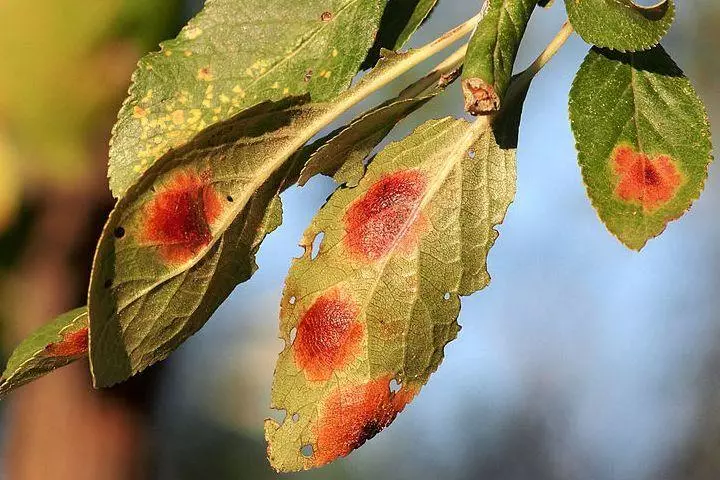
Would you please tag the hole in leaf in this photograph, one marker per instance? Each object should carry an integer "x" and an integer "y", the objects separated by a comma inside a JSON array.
[
  {"x": 293, "y": 334},
  {"x": 295, "y": 417},
  {"x": 447, "y": 296},
  {"x": 316, "y": 245},
  {"x": 230, "y": 198},
  {"x": 307, "y": 450},
  {"x": 471, "y": 153},
  {"x": 108, "y": 283},
  {"x": 119, "y": 232},
  {"x": 395, "y": 386},
  {"x": 292, "y": 300}
]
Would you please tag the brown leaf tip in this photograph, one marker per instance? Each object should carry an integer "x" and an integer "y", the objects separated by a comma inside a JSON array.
[
  {"x": 352, "y": 415},
  {"x": 386, "y": 216},
  {"x": 179, "y": 217},
  {"x": 480, "y": 97},
  {"x": 328, "y": 335},
  {"x": 651, "y": 182}
]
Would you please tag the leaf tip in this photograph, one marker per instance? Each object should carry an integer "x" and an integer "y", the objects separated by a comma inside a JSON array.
[{"x": 480, "y": 97}]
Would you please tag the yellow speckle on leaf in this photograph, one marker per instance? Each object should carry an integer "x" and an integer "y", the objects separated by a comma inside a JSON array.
[
  {"x": 237, "y": 89},
  {"x": 248, "y": 72},
  {"x": 224, "y": 98},
  {"x": 217, "y": 109},
  {"x": 167, "y": 53},
  {"x": 205, "y": 74},
  {"x": 137, "y": 169},
  {"x": 195, "y": 115},
  {"x": 193, "y": 33},
  {"x": 275, "y": 86},
  {"x": 207, "y": 103},
  {"x": 286, "y": 91},
  {"x": 147, "y": 97},
  {"x": 334, "y": 52},
  {"x": 178, "y": 117},
  {"x": 139, "y": 112},
  {"x": 188, "y": 53}
]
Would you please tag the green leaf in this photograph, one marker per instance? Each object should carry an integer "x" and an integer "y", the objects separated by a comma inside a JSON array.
[
  {"x": 186, "y": 233},
  {"x": 232, "y": 55},
  {"x": 343, "y": 153},
  {"x": 380, "y": 300},
  {"x": 643, "y": 140},
  {"x": 54, "y": 345},
  {"x": 491, "y": 54},
  {"x": 620, "y": 24}
]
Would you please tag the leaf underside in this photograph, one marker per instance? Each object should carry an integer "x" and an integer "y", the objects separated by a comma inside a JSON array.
[
  {"x": 643, "y": 140},
  {"x": 52, "y": 346},
  {"x": 381, "y": 299},
  {"x": 621, "y": 25},
  {"x": 232, "y": 55}
]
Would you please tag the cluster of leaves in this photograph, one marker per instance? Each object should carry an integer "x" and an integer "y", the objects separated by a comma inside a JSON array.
[{"x": 216, "y": 127}]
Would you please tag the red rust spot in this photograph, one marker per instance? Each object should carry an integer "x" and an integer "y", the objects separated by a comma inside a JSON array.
[
  {"x": 353, "y": 415},
  {"x": 326, "y": 16},
  {"x": 328, "y": 336},
  {"x": 73, "y": 344},
  {"x": 179, "y": 217},
  {"x": 650, "y": 182},
  {"x": 387, "y": 215}
]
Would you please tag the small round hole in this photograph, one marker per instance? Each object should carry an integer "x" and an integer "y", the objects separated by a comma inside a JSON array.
[
  {"x": 230, "y": 198},
  {"x": 307, "y": 450},
  {"x": 119, "y": 232},
  {"x": 293, "y": 334},
  {"x": 292, "y": 300},
  {"x": 295, "y": 417},
  {"x": 471, "y": 153},
  {"x": 395, "y": 386},
  {"x": 447, "y": 296}
]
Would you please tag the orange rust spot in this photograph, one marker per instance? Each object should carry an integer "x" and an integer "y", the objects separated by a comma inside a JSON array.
[
  {"x": 73, "y": 344},
  {"x": 205, "y": 74},
  {"x": 179, "y": 217},
  {"x": 328, "y": 336},
  {"x": 326, "y": 16},
  {"x": 386, "y": 216},
  {"x": 353, "y": 415},
  {"x": 650, "y": 182}
]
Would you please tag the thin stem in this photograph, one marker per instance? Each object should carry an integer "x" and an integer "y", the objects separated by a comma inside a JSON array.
[
  {"x": 552, "y": 48},
  {"x": 446, "y": 67},
  {"x": 373, "y": 81}
]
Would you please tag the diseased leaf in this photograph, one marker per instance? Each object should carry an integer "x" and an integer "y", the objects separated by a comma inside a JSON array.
[
  {"x": 643, "y": 140},
  {"x": 401, "y": 18},
  {"x": 491, "y": 54},
  {"x": 380, "y": 300},
  {"x": 342, "y": 154},
  {"x": 186, "y": 233},
  {"x": 622, "y": 25},
  {"x": 55, "y": 345},
  {"x": 232, "y": 55}
]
